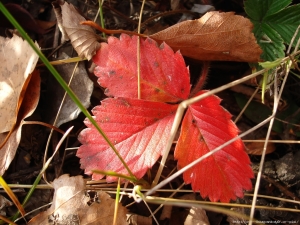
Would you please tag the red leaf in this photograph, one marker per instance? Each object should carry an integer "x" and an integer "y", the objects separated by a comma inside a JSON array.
[
  {"x": 225, "y": 174},
  {"x": 164, "y": 76},
  {"x": 139, "y": 130}
]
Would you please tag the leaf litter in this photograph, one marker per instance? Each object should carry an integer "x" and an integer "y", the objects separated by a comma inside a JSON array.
[
  {"x": 71, "y": 205},
  {"x": 83, "y": 38}
]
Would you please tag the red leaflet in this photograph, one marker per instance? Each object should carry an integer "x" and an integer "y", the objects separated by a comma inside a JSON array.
[
  {"x": 225, "y": 174},
  {"x": 139, "y": 130},
  {"x": 164, "y": 76}
]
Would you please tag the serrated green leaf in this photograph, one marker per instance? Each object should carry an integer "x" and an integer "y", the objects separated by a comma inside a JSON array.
[
  {"x": 274, "y": 25},
  {"x": 271, "y": 43},
  {"x": 285, "y": 22},
  {"x": 258, "y": 9}
]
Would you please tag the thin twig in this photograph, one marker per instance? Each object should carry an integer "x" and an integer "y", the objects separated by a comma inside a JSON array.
[
  {"x": 277, "y": 97},
  {"x": 138, "y": 54}
]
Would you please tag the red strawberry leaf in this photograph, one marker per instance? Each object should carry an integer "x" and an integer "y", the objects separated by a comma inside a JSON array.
[
  {"x": 139, "y": 130},
  {"x": 225, "y": 174},
  {"x": 164, "y": 76}
]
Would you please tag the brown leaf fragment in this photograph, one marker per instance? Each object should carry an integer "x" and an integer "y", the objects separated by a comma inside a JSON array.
[
  {"x": 196, "y": 215},
  {"x": 17, "y": 62},
  {"x": 72, "y": 205},
  {"x": 256, "y": 148},
  {"x": 83, "y": 38},
  {"x": 29, "y": 103},
  {"x": 57, "y": 12},
  {"x": 215, "y": 36}
]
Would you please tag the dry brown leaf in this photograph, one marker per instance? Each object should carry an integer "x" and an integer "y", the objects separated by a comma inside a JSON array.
[
  {"x": 215, "y": 36},
  {"x": 83, "y": 38},
  {"x": 82, "y": 86},
  {"x": 256, "y": 148},
  {"x": 18, "y": 60},
  {"x": 57, "y": 12},
  {"x": 29, "y": 103},
  {"x": 196, "y": 216},
  {"x": 71, "y": 204}
]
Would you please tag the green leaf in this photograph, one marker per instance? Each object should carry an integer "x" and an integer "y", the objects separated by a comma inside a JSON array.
[
  {"x": 271, "y": 44},
  {"x": 274, "y": 25},
  {"x": 285, "y": 22},
  {"x": 258, "y": 9}
]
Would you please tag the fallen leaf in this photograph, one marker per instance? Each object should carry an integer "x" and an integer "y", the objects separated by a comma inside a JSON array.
[
  {"x": 227, "y": 172},
  {"x": 30, "y": 102},
  {"x": 83, "y": 38},
  {"x": 197, "y": 216},
  {"x": 57, "y": 12},
  {"x": 81, "y": 85},
  {"x": 13, "y": 77},
  {"x": 71, "y": 205},
  {"x": 160, "y": 69},
  {"x": 256, "y": 148},
  {"x": 139, "y": 130},
  {"x": 215, "y": 36}
]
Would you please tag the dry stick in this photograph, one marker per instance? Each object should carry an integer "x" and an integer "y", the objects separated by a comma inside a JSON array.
[
  {"x": 138, "y": 53},
  {"x": 44, "y": 124},
  {"x": 276, "y": 97},
  {"x": 55, "y": 121},
  {"x": 275, "y": 141},
  {"x": 259, "y": 173},
  {"x": 292, "y": 40},
  {"x": 187, "y": 167},
  {"x": 180, "y": 110},
  {"x": 245, "y": 107}
]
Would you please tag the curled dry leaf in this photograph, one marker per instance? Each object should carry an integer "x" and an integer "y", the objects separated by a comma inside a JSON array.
[
  {"x": 83, "y": 38},
  {"x": 215, "y": 36},
  {"x": 73, "y": 205},
  {"x": 18, "y": 60},
  {"x": 29, "y": 103},
  {"x": 57, "y": 12}
]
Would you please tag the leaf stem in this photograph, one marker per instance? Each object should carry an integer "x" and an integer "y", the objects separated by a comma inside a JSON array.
[
  {"x": 107, "y": 31},
  {"x": 62, "y": 83}
]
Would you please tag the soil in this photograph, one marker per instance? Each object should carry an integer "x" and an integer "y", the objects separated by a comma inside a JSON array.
[{"x": 281, "y": 173}]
